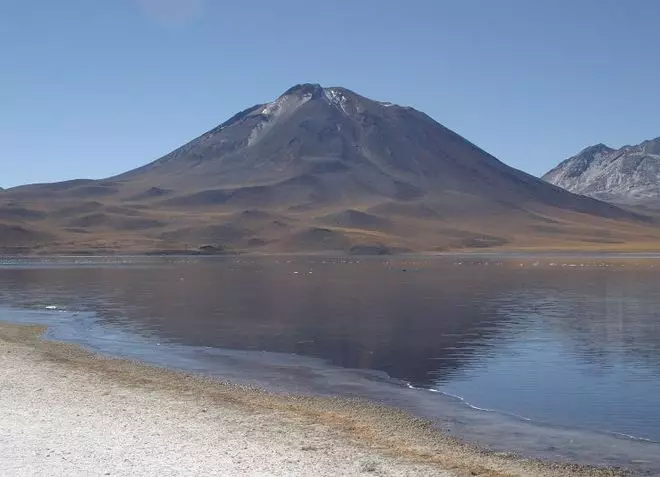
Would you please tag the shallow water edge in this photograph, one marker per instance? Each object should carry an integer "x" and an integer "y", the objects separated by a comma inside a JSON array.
[
  {"x": 287, "y": 375},
  {"x": 359, "y": 423}
]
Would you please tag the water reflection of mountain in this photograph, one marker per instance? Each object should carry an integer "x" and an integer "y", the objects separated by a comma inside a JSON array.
[
  {"x": 603, "y": 317},
  {"x": 422, "y": 324},
  {"x": 411, "y": 324}
]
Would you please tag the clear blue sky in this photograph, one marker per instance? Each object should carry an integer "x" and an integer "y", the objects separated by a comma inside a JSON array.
[{"x": 91, "y": 88}]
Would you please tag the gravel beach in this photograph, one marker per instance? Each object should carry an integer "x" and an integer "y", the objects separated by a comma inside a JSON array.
[{"x": 67, "y": 412}]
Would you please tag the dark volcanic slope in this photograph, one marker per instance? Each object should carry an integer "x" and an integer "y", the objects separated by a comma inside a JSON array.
[
  {"x": 317, "y": 145},
  {"x": 325, "y": 168},
  {"x": 627, "y": 175}
]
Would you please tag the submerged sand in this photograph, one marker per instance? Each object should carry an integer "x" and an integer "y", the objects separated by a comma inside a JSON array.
[{"x": 66, "y": 411}]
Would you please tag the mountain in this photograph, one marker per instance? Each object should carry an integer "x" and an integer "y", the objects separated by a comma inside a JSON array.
[
  {"x": 630, "y": 175},
  {"x": 320, "y": 169}
]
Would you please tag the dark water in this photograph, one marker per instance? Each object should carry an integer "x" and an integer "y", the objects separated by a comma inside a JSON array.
[{"x": 572, "y": 346}]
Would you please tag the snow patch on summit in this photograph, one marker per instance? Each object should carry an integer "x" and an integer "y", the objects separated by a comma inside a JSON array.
[
  {"x": 285, "y": 105},
  {"x": 337, "y": 98},
  {"x": 282, "y": 107}
]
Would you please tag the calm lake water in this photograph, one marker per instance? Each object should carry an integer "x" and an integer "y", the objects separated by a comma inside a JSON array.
[{"x": 496, "y": 349}]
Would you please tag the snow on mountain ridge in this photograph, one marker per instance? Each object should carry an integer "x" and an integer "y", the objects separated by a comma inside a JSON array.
[
  {"x": 630, "y": 174},
  {"x": 336, "y": 97}
]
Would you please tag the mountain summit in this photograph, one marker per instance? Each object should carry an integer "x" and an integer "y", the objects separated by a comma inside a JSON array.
[
  {"x": 630, "y": 175},
  {"x": 317, "y": 169},
  {"x": 312, "y": 137},
  {"x": 315, "y": 146}
]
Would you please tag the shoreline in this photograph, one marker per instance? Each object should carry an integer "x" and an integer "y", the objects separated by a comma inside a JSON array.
[
  {"x": 532, "y": 252},
  {"x": 390, "y": 441},
  {"x": 475, "y": 254}
]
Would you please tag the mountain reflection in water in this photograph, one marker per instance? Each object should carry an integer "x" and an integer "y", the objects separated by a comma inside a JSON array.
[{"x": 481, "y": 328}]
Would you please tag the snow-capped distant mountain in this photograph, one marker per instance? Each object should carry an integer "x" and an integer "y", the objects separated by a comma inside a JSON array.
[{"x": 627, "y": 175}]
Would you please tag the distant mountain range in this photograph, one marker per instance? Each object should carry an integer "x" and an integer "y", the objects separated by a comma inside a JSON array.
[
  {"x": 629, "y": 175},
  {"x": 318, "y": 169}
]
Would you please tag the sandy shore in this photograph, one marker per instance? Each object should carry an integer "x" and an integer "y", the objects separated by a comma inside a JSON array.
[{"x": 67, "y": 412}]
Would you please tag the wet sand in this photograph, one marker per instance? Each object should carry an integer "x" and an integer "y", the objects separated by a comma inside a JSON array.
[{"x": 66, "y": 411}]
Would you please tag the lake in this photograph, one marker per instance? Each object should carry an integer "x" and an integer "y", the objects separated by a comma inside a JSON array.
[{"x": 554, "y": 357}]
